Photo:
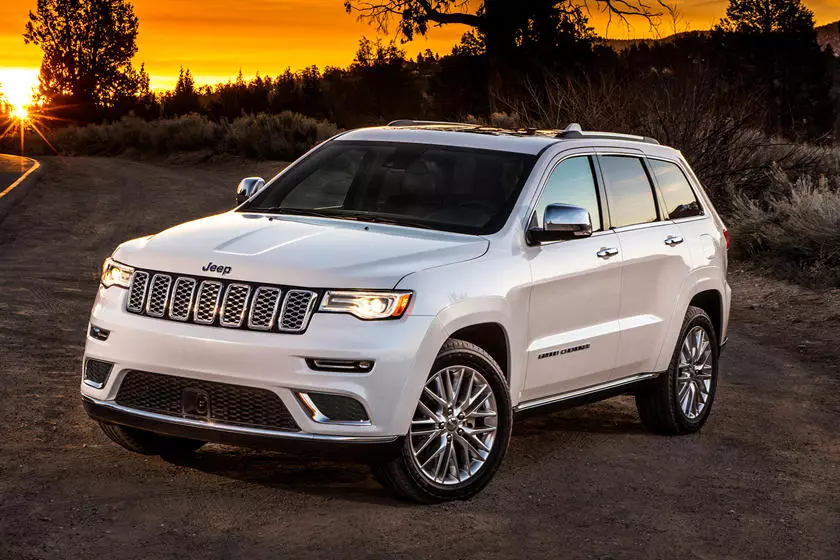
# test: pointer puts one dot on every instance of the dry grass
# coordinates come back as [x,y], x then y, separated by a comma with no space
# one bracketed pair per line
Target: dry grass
[284,136]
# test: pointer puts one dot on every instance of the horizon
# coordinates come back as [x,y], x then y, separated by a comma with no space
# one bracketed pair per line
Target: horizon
[213,43]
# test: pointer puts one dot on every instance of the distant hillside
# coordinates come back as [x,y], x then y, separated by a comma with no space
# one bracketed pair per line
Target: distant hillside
[828,34]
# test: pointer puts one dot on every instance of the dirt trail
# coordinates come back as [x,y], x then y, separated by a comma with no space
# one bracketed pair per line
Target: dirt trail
[762,480]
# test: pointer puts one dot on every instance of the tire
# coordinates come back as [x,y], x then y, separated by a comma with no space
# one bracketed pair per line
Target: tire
[472,469]
[148,443]
[661,406]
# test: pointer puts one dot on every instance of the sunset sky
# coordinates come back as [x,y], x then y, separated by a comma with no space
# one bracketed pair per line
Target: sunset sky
[215,40]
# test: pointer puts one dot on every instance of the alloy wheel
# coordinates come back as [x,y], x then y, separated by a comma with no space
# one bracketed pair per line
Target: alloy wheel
[694,376]
[454,426]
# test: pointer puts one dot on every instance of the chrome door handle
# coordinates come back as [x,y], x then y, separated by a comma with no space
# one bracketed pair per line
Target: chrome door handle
[607,252]
[672,240]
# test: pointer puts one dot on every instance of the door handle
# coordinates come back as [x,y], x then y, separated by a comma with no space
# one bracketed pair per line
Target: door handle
[672,240]
[607,252]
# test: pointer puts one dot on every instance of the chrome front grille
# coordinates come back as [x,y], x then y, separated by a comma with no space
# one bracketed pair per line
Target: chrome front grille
[220,303]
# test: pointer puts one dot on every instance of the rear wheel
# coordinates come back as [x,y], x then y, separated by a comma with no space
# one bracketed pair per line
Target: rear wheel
[459,432]
[148,443]
[681,399]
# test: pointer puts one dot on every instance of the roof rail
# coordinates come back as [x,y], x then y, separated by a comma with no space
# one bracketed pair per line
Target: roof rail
[412,122]
[574,130]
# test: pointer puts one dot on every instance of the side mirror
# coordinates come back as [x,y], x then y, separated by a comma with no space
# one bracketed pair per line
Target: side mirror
[247,188]
[562,222]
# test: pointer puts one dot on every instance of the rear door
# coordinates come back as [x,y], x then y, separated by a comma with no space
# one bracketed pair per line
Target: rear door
[573,318]
[656,260]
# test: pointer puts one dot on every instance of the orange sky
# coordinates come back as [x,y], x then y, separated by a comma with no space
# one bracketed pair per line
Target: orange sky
[215,40]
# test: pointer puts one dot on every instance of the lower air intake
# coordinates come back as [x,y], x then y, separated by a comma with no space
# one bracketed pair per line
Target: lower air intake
[226,403]
[97,372]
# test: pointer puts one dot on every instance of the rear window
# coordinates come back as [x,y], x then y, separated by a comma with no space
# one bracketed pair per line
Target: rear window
[679,198]
[629,192]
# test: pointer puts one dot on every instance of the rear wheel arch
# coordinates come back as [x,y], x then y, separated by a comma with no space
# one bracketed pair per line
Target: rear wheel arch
[711,301]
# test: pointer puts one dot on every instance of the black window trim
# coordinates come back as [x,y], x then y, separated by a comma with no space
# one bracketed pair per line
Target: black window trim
[657,200]
[600,193]
[691,185]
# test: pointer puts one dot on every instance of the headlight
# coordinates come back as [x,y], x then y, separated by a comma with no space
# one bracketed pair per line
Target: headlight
[367,305]
[115,274]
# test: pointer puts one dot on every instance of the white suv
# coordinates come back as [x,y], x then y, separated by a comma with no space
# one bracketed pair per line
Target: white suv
[406,290]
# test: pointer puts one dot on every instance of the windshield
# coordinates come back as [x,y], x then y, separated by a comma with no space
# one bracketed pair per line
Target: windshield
[417,185]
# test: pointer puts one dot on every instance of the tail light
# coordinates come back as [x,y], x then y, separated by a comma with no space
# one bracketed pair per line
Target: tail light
[726,236]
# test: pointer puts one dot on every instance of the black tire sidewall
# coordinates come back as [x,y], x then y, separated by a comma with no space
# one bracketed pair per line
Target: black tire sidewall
[491,372]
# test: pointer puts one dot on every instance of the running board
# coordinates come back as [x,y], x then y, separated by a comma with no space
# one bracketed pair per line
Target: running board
[609,387]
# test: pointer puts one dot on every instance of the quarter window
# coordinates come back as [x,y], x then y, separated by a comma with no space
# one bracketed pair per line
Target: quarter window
[629,191]
[572,182]
[680,201]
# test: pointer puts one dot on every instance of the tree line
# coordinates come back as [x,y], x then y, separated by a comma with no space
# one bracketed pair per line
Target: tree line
[763,57]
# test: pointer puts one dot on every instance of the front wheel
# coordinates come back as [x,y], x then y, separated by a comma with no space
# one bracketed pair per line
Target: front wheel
[459,432]
[681,399]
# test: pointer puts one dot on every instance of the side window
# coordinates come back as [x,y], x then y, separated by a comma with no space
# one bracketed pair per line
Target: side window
[680,201]
[629,192]
[572,182]
[327,186]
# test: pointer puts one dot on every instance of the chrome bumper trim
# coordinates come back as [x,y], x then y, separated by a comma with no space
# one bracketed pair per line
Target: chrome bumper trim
[239,430]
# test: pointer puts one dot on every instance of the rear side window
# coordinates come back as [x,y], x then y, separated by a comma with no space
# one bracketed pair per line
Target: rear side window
[629,192]
[571,182]
[680,201]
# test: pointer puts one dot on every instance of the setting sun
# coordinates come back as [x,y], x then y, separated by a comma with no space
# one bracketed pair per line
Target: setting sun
[17,86]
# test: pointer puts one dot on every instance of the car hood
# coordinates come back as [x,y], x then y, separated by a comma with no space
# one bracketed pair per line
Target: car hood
[298,251]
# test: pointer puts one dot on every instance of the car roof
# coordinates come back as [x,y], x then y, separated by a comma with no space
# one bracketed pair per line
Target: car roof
[524,141]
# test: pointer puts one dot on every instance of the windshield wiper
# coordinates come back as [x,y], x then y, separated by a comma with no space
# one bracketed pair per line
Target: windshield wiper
[291,212]
[379,219]
[358,216]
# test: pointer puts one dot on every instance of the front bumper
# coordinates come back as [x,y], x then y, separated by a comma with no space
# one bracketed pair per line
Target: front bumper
[351,446]
[402,351]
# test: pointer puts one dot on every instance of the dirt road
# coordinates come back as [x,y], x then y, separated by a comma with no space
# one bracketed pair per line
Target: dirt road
[762,480]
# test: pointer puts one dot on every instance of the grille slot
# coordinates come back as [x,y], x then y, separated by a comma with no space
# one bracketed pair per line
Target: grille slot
[219,303]
[137,293]
[158,295]
[182,299]
[264,308]
[229,404]
[297,309]
[338,408]
[209,295]
[235,305]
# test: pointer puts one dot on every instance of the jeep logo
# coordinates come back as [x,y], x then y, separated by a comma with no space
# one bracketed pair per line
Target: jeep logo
[221,269]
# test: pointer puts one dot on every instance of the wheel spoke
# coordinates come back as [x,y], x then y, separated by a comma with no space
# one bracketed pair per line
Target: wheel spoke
[437,453]
[479,399]
[421,406]
[456,388]
[430,439]
[434,396]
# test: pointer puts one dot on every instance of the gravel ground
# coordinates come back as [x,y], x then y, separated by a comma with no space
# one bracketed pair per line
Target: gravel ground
[759,481]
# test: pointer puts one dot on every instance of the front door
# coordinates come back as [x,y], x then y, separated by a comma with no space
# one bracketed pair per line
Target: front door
[573,319]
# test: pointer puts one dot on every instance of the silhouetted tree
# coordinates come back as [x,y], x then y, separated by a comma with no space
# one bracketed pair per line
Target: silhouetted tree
[502,26]
[768,16]
[88,46]
[185,97]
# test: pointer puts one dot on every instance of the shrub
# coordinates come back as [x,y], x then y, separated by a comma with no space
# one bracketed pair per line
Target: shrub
[284,136]
[795,229]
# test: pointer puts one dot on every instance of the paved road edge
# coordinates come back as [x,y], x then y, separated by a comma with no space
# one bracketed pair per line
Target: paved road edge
[11,194]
